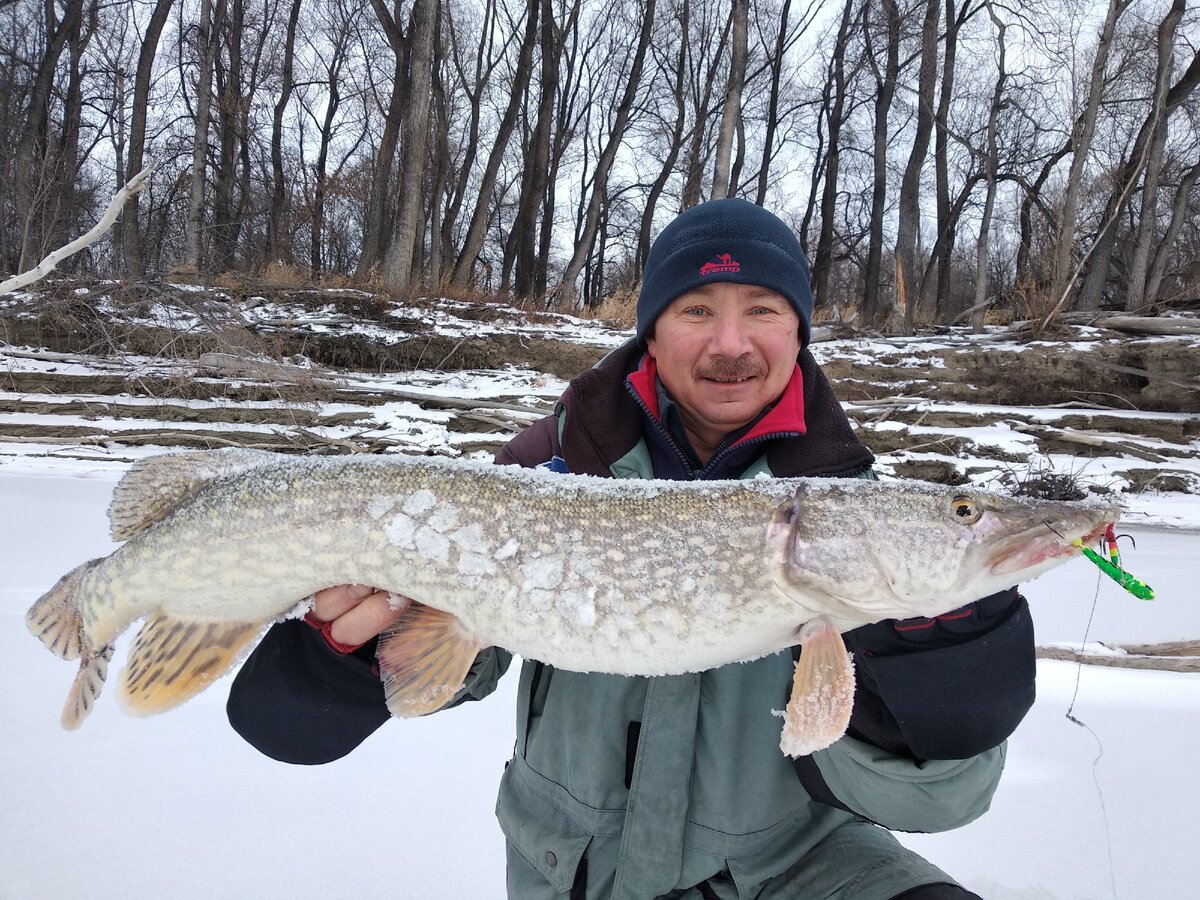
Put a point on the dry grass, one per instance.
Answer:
(619, 308)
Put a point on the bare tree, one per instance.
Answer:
(339, 40)
(1180, 206)
(1081, 143)
(209, 22)
(398, 262)
(909, 211)
(703, 54)
(878, 309)
(731, 112)
(131, 238)
(583, 245)
(477, 231)
(1139, 266)
(275, 225)
(676, 72)
(834, 108)
(34, 164)
(1143, 159)
(990, 164)
(938, 271)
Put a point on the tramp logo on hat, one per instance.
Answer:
(721, 262)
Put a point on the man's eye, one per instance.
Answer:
(696, 311)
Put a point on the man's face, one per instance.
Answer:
(724, 351)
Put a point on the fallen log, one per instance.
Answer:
(1161, 657)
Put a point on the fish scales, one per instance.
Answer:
(583, 573)
(606, 575)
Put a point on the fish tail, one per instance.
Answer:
(93, 667)
(55, 619)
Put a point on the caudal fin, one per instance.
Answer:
(93, 667)
(56, 621)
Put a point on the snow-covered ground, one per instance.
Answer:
(178, 806)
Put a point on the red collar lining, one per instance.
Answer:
(786, 416)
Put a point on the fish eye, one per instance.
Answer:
(966, 511)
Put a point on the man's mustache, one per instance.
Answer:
(724, 368)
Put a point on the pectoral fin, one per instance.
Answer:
(424, 658)
(174, 659)
(822, 691)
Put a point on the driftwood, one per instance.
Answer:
(1173, 656)
(54, 257)
(1087, 439)
(230, 365)
(1137, 324)
(455, 403)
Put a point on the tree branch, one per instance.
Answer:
(54, 257)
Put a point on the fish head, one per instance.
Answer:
(864, 551)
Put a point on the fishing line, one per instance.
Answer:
(1112, 866)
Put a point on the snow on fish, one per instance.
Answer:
(588, 574)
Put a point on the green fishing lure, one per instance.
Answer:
(1113, 570)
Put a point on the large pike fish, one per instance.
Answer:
(583, 573)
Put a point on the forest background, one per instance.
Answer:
(937, 158)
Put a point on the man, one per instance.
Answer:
(675, 787)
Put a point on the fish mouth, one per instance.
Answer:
(1032, 548)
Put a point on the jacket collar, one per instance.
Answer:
(602, 421)
(785, 416)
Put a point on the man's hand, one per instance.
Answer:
(355, 613)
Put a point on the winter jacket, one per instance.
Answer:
(635, 788)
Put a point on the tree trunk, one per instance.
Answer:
(275, 224)
(772, 123)
(334, 100)
(836, 106)
(1179, 214)
(1127, 175)
(1139, 267)
(131, 237)
(229, 92)
(1081, 144)
(63, 206)
(485, 64)
(477, 231)
(30, 169)
(397, 264)
(731, 113)
(675, 142)
(990, 163)
(876, 309)
(935, 286)
(694, 161)
(375, 235)
(583, 245)
(909, 220)
(205, 49)
(1032, 198)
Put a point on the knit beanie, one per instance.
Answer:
(724, 240)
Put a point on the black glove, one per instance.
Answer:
(945, 688)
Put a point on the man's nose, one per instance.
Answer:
(730, 337)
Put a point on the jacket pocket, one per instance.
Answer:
(543, 835)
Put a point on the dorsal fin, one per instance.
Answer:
(155, 486)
